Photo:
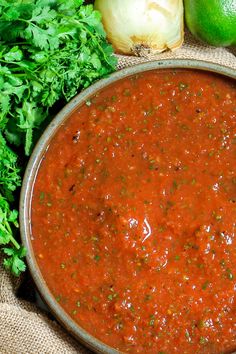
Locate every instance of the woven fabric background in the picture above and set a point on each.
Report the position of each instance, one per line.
(191, 49)
(24, 329)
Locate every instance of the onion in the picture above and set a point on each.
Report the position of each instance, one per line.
(141, 27)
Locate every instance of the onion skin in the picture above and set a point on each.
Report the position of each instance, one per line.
(142, 27)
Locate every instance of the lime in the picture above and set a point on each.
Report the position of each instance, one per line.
(213, 21)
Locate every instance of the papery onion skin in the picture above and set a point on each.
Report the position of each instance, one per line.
(142, 27)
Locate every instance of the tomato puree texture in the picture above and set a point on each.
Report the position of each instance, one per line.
(134, 214)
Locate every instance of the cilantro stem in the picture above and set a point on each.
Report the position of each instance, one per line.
(14, 242)
(9, 232)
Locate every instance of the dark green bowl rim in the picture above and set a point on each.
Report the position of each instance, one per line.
(34, 163)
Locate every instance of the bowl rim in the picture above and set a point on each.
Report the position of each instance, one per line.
(34, 163)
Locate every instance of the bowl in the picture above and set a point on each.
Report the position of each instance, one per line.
(33, 166)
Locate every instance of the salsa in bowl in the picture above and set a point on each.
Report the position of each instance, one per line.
(128, 211)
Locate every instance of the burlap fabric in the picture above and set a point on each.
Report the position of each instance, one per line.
(23, 327)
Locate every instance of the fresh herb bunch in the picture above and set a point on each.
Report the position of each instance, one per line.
(49, 51)
(9, 181)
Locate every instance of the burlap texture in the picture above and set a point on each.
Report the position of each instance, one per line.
(23, 328)
(191, 49)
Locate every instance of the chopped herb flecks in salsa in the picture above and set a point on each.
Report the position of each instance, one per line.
(134, 214)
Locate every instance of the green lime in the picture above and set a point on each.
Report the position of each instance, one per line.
(213, 21)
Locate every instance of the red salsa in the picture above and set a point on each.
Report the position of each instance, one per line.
(134, 214)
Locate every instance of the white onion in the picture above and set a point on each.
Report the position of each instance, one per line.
(142, 26)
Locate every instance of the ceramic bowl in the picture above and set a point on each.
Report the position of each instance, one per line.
(34, 163)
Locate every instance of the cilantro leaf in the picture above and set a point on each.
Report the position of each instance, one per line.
(14, 262)
(9, 172)
(14, 252)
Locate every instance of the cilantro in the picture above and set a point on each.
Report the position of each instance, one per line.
(9, 172)
(110, 297)
(9, 181)
(14, 252)
(14, 262)
(49, 51)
